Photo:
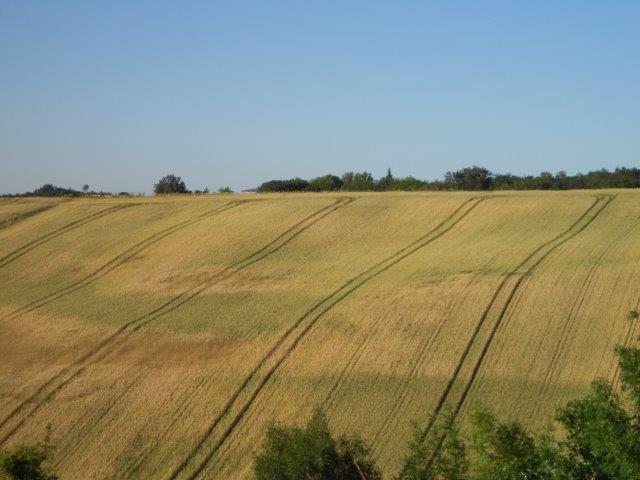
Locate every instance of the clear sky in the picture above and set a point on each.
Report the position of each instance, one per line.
(116, 94)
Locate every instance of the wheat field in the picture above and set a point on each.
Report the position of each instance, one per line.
(160, 336)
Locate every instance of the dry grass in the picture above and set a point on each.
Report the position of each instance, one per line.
(160, 336)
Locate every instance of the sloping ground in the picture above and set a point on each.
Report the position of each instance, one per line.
(160, 336)
(13, 210)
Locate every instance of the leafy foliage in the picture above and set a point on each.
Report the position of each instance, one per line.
(629, 359)
(361, 181)
(170, 184)
(508, 451)
(292, 185)
(324, 184)
(474, 178)
(293, 453)
(27, 462)
(602, 439)
(438, 453)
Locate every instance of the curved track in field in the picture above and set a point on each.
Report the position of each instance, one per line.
(24, 215)
(23, 250)
(50, 388)
(569, 324)
(281, 241)
(629, 339)
(116, 262)
(11, 200)
(404, 389)
(529, 264)
(280, 351)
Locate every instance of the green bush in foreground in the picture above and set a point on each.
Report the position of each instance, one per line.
(27, 462)
(293, 453)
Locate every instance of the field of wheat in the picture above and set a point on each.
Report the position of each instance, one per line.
(160, 336)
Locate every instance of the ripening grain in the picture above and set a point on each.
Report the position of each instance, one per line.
(160, 336)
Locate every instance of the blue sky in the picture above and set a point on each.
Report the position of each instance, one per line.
(116, 94)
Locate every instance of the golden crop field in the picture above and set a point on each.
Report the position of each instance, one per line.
(160, 336)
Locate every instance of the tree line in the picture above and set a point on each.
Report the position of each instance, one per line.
(51, 190)
(600, 441)
(471, 178)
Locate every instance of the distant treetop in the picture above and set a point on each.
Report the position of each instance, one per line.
(170, 184)
(50, 190)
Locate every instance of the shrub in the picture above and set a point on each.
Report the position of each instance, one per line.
(28, 462)
(293, 453)
(436, 453)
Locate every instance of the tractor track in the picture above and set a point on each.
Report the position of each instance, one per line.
(11, 200)
(599, 204)
(116, 262)
(404, 389)
(120, 336)
(82, 430)
(272, 247)
(314, 314)
(575, 308)
(25, 215)
(629, 338)
(19, 252)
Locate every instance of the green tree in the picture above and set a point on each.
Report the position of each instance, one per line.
(170, 184)
(325, 183)
(293, 453)
(506, 451)
(602, 438)
(438, 453)
(387, 182)
(474, 178)
(362, 181)
(546, 181)
(411, 183)
(28, 462)
(292, 185)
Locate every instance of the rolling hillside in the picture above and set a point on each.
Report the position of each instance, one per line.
(159, 336)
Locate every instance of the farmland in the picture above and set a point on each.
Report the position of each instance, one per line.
(160, 336)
